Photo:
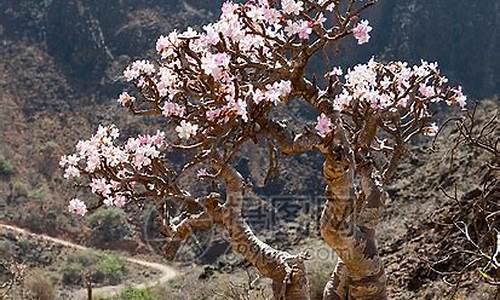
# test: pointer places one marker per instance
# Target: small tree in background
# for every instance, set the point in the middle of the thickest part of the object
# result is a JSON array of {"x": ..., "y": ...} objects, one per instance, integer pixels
[
  {"x": 220, "y": 89},
  {"x": 107, "y": 226}
]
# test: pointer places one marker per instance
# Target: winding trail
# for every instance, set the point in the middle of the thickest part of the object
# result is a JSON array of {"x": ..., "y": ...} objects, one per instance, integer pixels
[{"x": 167, "y": 272}]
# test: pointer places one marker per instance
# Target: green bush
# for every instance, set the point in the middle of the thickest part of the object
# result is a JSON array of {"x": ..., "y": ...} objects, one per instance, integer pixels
[
  {"x": 111, "y": 267},
  {"x": 76, "y": 264},
  {"x": 39, "y": 193},
  {"x": 136, "y": 294},
  {"x": 108, "y": 225},
  {"x": 20, "y": 189},
  {"x": 102, "y": 266},
  {"x": 6, "y": 169},
  {"x": 40, "y": 219},
  {"x": 84, "y": 258},
  {"x": 24, "y": 246},
  {"x": 72, "y": 273}
]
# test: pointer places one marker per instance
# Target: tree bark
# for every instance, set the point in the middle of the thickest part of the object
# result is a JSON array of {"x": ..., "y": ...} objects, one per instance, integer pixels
[
  {"x": 286, "y": 271},
  {"x": 360, "y": 272}
]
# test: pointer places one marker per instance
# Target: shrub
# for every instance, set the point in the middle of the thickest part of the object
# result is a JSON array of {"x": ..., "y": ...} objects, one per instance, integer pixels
[
  {"x": 42, "y": 219},
  {"x": 84, "y": 258},
  {"x": 6, "y": 169},
  {"x": 39, "y": 285},
  {"x": 108, "y": 225},
  {"x": 24, "y": 246},
  {"x": 20, "y": 189},
  {"x": 77, "y": 263},
  {"x": 111, "y": 267},
  {"x": 103, "y": 267},
  {"x": 138, "y": 294},
  {"x": 72, "y": 273}
]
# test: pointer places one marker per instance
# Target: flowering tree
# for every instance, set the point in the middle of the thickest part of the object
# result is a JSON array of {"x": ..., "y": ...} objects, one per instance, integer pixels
[{"x": 218, "y": 89}]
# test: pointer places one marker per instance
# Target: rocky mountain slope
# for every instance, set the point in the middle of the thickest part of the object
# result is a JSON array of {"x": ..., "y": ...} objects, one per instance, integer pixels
[
  {"x": 90, "y": 40},
  {"x": 60, "y": 65}
]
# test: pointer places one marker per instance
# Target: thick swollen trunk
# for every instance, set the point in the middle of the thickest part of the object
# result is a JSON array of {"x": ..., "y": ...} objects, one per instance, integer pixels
[
  {"x": 286, "y": 271},
  {"x": 350, "y": 230}
]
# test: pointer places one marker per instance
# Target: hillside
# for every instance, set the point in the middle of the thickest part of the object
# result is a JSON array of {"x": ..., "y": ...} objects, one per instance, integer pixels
[{"x": 60, "y": 66}]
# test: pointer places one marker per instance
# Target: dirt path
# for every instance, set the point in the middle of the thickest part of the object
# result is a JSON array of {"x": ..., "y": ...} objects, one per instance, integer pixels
[{"x": 167, "y": 272}]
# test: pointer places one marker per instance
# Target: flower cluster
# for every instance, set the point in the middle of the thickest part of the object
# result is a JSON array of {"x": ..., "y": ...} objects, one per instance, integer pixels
[
  {"x": 395, "y": 85},
  {"x": 98, "y": 155},
  {"x": 362, "y": 32},
  {"x": 207, "y": 65},
  {"x": 138, "y": 68},
  {"x": 78, "y": 207},
  {"x": 324, "y": 125}
]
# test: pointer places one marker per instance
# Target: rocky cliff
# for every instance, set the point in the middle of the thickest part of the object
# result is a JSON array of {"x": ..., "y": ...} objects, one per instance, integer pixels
[{"x": 90, "y": 40}]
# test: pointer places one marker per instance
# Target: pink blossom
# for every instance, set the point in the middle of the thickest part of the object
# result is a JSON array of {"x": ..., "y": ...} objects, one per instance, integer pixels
[
  {"x": 342, "y": 101},
  {"x": 185, "y": 130},
  {"x": 241, "y": 109},
  {"x": 426, "y": 91},
  {"x": 337, "y": 71},
  {"x": 108, "y": 201},
  {"x": 460, "y": 98},
  {"x": 324, "y": 125},
  {"x": 159, "y": 138},
  {"x": 172, "y": 109},
  {"x": 189, "y": 33},
  {"x": 114, "y": 132},
  {"x": 114, "y": 156},
  {"x": 361, "y": 32},
  {"x": 271, "y": 15},
  {"x": 141, "y": 160},
  {"x": 231, "y": 28},
  {"x": 71, "y": 171},
  {"x": 138, "y": 68},
  {"x": 403, "y": 102},
  {"x": 228, "y": 8},
  {"x": 211, "y": 35},
  {"x": 292, "y": 7},
  {"x": 71, "y": 160},
  {"x": 120, "y": 201},
  {"x": 256, "y": 13},
  {"x": 162, "y": 44},
  {"x": 125, "y": 99},
  {"x": 77, "y": 207},
  {"x": 93, "y": 162},
  {"x": 276, "y": 91},
  {"x": 165, "y": 45},
  {"x": 302, "y": 29},
  {"x": 115, "y": 184},
  {"x": 144, "y": 139},
  {"x": 100, "y": 186},
  {"x": 283, "y": 88},
  {"x": 213, "y": 64},
  {"x": 213, "y": 114},
  {"x": 258, "y": 96},
  {"x": 167, "y": 82}
]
